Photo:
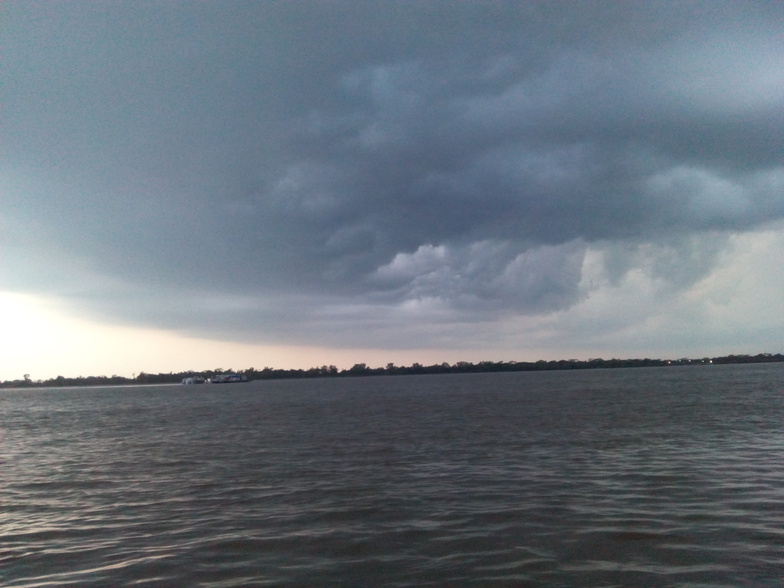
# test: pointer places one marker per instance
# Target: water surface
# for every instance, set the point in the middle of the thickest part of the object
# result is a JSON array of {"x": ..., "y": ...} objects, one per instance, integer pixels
[{"x": 629, "y": 477}]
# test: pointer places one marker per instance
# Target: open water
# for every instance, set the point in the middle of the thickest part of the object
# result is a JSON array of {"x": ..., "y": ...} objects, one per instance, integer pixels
[{"x": 634, "y": 477}]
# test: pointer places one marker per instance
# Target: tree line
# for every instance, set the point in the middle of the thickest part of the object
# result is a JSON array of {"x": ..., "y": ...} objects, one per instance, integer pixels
[{"x": 361, "y": 369}]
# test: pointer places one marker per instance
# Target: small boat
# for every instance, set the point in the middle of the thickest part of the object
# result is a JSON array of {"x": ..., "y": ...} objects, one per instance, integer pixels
[{"x": 194, "y": 380}]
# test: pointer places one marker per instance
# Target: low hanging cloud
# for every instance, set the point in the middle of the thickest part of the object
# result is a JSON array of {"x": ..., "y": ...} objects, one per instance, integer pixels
[
  {"x": 304, "y": 171},
  {"x": 487, "y": 275}
]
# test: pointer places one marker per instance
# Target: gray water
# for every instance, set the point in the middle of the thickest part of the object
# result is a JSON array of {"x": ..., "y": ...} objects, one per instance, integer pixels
[{"x": 634, "y": 477}]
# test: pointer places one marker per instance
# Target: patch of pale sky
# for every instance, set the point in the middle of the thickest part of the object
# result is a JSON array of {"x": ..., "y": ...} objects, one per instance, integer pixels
[
  {"x": 737, "y": 307},
  {"x": 745, "y": 291}
]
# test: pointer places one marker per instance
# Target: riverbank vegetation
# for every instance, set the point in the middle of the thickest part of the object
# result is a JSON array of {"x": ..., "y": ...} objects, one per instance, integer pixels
[{"x": 361, "y": 369}]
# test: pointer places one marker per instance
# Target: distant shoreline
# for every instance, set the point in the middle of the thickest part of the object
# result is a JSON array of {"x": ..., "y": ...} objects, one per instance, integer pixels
[{"x": 361, "y": 369}]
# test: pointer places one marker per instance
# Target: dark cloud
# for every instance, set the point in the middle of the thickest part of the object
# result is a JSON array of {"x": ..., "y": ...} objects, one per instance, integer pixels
[{"x": 310, "y": 169}]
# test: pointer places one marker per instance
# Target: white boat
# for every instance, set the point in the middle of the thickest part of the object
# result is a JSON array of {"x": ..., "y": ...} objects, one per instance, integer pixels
[{"x": 194, "y": 380}]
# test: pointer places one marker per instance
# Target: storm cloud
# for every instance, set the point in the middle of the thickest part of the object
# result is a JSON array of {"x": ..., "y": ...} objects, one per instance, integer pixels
[{"x": 386, "y": 173}]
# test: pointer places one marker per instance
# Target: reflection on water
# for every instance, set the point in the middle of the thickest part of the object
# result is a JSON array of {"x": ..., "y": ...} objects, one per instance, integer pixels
[{"x": 637, "y": 477}]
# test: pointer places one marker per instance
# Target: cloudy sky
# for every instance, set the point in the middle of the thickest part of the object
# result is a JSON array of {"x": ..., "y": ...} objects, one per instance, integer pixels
[{"x": 190, "y": 185}]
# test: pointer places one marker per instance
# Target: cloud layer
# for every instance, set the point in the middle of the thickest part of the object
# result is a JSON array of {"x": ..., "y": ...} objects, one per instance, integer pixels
[{"x": 388, "y": 174}]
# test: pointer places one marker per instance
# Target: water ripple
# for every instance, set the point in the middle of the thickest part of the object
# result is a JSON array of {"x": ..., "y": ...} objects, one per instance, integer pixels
[{"x": 665, "y": 477}]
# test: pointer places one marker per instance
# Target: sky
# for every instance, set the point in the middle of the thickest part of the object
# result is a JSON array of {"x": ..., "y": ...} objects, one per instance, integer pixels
[{"x": 193, "y": 185}]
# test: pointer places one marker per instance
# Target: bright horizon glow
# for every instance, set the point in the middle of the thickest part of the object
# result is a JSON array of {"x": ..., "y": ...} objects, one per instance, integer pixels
[{"x": 48, "y": 343}]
